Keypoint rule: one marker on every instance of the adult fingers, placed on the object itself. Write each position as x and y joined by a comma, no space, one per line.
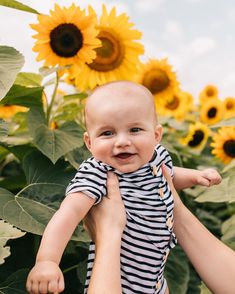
112,186
167,176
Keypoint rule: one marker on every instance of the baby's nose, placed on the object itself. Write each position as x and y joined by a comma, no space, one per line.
122,140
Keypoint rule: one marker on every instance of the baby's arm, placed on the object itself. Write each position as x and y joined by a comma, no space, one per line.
45,276
186,177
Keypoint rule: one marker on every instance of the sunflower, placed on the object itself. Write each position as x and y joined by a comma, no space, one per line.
224,144
177,106
229,105
212,111
118,56
208,92
8,111
157,75
67,36
197,136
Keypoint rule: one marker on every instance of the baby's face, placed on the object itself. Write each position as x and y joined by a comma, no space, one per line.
122,130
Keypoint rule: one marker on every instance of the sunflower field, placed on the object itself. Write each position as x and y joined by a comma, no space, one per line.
41,136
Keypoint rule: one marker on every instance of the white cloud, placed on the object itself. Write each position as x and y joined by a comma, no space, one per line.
149,5
202,45
173,30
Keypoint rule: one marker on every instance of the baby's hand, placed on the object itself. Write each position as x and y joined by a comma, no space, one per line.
45,277
208,177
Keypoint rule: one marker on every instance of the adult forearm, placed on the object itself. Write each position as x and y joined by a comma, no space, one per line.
106,275
214,261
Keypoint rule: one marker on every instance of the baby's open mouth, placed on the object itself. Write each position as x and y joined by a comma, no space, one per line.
124,155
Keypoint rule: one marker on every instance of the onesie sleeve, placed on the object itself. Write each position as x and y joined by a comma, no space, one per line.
163,156
90,179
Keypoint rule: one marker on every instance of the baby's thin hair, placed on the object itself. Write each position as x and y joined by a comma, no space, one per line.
130,83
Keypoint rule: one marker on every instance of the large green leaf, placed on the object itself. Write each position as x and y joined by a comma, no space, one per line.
20,95
15,283
77,156
17,5
28,79
224,192
26,214
11,62
177,271
3,129
29,215
56,143
225,123
228,230
7,231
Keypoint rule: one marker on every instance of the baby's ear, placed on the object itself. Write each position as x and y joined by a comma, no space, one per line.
87,140
158,133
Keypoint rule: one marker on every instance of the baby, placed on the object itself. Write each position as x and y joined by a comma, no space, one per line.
124,137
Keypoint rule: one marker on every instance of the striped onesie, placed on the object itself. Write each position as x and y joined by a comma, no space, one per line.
148,236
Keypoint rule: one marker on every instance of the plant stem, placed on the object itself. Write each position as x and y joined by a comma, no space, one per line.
52,99
70,268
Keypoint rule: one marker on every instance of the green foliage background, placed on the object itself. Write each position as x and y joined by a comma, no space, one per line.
37,162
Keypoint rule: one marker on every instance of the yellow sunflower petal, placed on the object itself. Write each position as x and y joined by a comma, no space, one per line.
197,136
224,144
212,111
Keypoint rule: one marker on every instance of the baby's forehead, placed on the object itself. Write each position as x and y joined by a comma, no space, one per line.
118,92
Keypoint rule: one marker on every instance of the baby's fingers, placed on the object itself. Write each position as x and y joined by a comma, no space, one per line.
55,287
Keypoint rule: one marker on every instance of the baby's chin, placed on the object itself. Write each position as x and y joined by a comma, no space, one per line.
126,169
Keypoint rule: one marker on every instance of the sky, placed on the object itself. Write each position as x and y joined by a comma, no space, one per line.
197,36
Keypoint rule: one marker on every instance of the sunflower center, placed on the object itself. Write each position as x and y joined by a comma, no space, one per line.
229,105
156,80
212,112
210,92
173,103
197,138
111,53
229,148
66,40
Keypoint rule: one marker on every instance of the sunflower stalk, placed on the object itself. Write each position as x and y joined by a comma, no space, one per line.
49,109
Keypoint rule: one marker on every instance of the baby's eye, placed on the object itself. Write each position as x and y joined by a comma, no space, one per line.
107,133
135,130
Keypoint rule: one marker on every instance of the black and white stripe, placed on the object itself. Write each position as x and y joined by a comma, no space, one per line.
147,238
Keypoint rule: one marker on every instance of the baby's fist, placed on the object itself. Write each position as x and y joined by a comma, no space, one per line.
209,177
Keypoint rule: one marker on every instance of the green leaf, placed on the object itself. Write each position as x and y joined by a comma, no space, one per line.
17,5
11,62
23,96
205,290
224,192
224,123
56,143
29,215
15,283
7,231
228,229
46,171
177,271
77,156
3,129
79,96
28,79
25,214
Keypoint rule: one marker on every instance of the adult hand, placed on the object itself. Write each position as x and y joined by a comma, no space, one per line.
178,204
108,217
